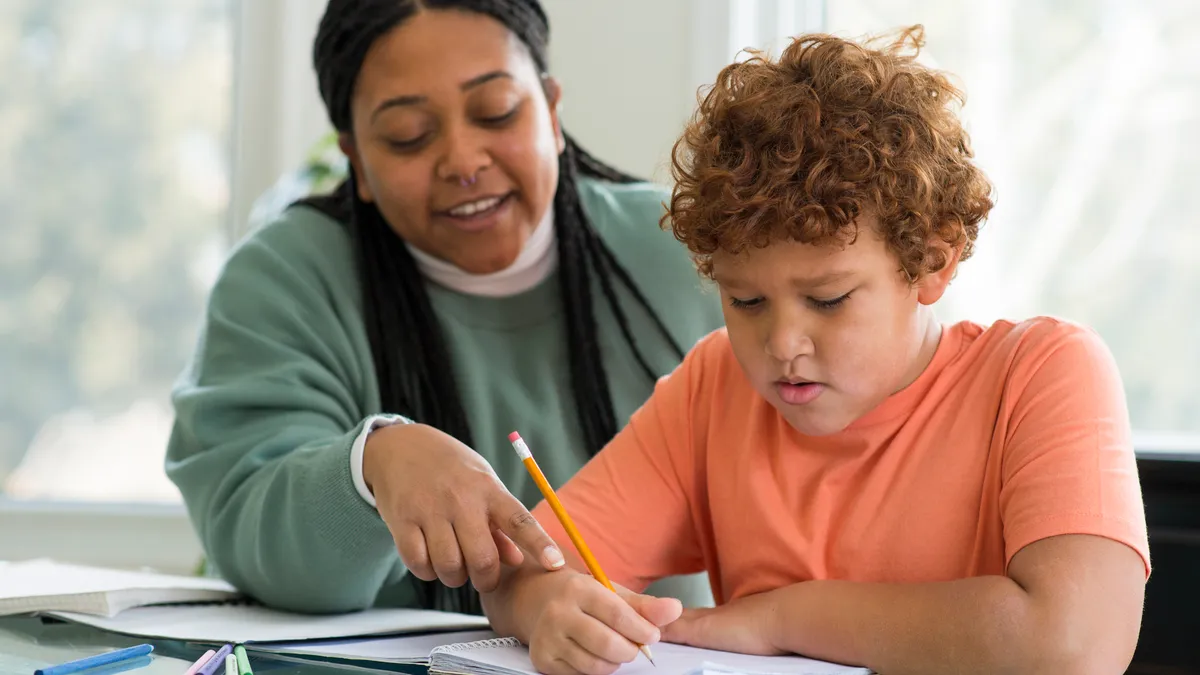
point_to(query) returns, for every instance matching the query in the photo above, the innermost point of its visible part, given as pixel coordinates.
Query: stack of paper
(44, 585)
(251, 623)
(195, 609)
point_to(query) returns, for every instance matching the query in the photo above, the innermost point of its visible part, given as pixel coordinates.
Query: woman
(477, 273)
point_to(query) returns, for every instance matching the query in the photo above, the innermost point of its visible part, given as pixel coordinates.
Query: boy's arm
(1070, 604)
(571, 622)
(1075, 536)
(633, 502)
(632, 505)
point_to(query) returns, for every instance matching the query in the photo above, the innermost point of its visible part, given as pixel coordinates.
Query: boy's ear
(932, 286)
(348, 148)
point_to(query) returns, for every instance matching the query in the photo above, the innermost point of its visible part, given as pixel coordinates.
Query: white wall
(627, 77)
(631, 68)
(278, 113)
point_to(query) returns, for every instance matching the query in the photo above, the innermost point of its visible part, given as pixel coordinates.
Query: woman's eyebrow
(410, 99)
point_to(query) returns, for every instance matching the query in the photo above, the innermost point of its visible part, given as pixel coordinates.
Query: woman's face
(456, 137)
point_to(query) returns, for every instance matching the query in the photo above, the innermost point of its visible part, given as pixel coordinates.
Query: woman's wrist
(381, 442)
(358, 448)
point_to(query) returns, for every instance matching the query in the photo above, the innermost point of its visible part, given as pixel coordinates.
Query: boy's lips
(798, 392)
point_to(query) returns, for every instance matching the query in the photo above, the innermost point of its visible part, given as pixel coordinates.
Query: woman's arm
(265, 419)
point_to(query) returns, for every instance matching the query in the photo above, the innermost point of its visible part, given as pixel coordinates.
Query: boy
(861, 483)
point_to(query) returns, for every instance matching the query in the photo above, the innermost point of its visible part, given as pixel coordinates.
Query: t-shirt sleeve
(632, 503)
(1069, 466)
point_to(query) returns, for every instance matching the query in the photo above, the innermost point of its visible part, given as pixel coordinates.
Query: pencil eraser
(514, 437)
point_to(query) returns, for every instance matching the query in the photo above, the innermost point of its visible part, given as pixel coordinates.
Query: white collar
(535, 262)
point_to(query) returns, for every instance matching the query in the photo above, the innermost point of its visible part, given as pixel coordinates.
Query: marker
(200, 662)
(97, 660)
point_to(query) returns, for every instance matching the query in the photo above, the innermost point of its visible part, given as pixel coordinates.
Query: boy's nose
(787, 340)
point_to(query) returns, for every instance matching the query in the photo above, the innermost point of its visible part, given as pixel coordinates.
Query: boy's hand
(744, 625)
(579, 626)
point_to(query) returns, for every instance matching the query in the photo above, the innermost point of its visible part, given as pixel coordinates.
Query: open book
(484, 653)
(44, 585)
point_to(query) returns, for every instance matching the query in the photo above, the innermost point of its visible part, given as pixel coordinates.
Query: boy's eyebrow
(823, 279)
(399, 101)
(799, 282)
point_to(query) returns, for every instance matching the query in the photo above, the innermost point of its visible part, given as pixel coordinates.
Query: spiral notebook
(507, 656)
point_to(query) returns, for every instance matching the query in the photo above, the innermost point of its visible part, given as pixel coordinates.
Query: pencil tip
(649, 657)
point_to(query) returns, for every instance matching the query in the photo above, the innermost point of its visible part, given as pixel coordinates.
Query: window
(124, 155)
(1086, 116)
(116, 157)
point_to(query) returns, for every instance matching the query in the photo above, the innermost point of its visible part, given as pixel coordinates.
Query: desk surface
(27, 644)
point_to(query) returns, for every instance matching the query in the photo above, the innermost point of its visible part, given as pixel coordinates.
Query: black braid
(588, 380)
(412, 363)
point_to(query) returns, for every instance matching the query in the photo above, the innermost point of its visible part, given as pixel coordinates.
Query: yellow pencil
(569, 525)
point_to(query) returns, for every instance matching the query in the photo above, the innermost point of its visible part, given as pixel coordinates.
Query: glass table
(28, 643)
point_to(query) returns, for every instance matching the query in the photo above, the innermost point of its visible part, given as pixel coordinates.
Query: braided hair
(399, 318)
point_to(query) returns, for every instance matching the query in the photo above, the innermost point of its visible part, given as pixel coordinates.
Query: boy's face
(826, 333)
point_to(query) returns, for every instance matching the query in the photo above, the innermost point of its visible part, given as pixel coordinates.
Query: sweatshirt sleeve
(267, 413)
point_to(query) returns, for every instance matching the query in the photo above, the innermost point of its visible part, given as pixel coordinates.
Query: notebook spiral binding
(478, 644)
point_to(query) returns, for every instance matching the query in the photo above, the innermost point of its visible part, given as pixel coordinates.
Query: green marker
(242, 661)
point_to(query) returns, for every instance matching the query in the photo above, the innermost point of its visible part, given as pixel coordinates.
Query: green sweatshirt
(282, 381)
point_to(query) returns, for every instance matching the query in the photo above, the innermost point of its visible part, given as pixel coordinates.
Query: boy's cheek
(748, 351)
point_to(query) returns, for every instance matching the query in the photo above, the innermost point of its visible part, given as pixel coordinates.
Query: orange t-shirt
(1013, 433)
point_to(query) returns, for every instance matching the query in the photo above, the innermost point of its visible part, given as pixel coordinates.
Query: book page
(249, 623)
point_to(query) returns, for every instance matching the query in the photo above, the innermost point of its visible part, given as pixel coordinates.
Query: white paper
(43, 585)
(670, 659)
(411, 650)
(249, 623)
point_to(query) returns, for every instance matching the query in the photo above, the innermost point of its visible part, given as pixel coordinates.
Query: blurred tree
(114, 134)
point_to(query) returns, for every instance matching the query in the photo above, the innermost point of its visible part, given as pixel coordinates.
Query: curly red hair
(800, 147)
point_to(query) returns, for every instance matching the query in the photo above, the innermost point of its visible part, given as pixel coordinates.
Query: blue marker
(98, 660)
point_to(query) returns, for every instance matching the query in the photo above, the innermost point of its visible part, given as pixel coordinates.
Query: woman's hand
(451, 517)
(573, 624)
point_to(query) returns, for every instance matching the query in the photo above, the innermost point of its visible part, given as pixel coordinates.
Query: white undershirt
(535, 262)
